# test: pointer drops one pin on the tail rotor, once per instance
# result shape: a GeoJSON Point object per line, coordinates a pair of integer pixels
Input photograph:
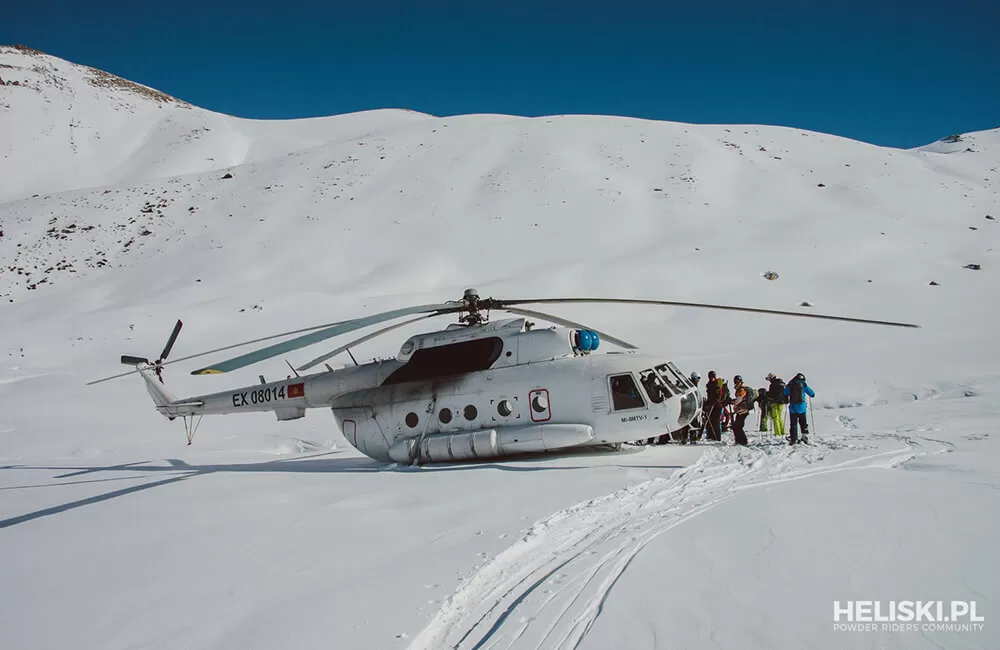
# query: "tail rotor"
{"type": "Point", "coordinates": [129, 360]}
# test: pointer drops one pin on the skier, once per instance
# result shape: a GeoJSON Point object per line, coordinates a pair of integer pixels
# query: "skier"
{"type": "Point", "coordinates": [764, 409]}
{"type": "Point", "coordinates": [742, 405]}
{"type": "Point", "coordinates": [776, 400]}
{"type": "Point", "coordinates": [796, 392]}
{"type": "Point", "coordinates": [713, 406]}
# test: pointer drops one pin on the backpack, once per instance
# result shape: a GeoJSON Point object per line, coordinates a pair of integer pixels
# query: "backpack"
{"type": "Point", "coordinates": [724, 396]}
{"type": "Point", "coordinates": [795, 391]}
{"type": "Point", "coordinates": [776, 394]}
{"type": "Point", "coordinates": [748, 397]}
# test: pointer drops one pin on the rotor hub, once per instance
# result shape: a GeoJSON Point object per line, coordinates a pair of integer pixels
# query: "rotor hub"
{"type": "Point", "coordinates": [473, 308]}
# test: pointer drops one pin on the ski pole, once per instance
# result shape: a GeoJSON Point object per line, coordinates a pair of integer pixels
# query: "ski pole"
{"type": "Point", "coordinates": [811, 418]}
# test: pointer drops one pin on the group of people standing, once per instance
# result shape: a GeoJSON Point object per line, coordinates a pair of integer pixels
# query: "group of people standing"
{"type": "Point", "coordinates": [772, 402]}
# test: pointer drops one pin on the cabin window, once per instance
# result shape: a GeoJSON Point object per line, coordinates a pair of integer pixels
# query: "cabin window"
{"type": "Point", "coordinates": [655, 387]}
{"type": "Point", "coordinates": [470, 412]}
{"type": "Point", "coordinates": [412, 419]}
{"type": "Point", "coordinates": [539, 400]}
{"type": "Point", "coordinates": [451, 359]}
{"type": "Point", "coordinates": [504, 408]}
{"type": "Point", "coordinates": [624, 393]}
{"type": "Point", "coordinates": [445, 415]}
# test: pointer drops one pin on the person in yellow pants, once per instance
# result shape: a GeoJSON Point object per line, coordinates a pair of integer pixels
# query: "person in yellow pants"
{"type": "Point", "coordinates": [776, 403]}
{"type": "Point", "coordinates": [778, 418]}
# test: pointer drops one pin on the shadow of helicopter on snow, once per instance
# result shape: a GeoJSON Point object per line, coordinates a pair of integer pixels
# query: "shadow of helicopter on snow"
{"type": "Point", "coordinates": [177, 470]}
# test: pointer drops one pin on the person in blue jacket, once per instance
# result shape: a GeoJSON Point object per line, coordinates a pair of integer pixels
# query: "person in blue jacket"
{"type": "Point", "coordinates": [796, 392]}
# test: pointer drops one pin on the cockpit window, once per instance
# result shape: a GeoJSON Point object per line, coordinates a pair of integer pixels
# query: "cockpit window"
{"type": "Point", "coordinates": [624, 393]}
{"type": "Point", "coordinates": [673, 378]}
{"type": "Point", "coordinates": [655, 388]}
{"type": "Point", "coordinates": [687, 381]}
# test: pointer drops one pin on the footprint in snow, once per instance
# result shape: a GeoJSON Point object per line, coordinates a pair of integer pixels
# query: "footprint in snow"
{"type": "Point", "coordinates": [846, 422]}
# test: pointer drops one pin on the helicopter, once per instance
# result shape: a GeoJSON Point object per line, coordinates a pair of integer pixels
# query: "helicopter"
{"type": "Point", "coordinates": [477, 389]}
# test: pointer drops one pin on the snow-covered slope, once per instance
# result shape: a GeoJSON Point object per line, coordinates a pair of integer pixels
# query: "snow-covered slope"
{"type": "Point", "coordinates": [85, 127]}
{"type": "Point", "coordinates": [250, 227]}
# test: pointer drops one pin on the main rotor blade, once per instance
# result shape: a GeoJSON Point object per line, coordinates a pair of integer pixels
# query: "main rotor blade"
{"type": "Point", "coordinates": [568, 323]}
{"type": "Point", "coordinates": [367, 337]}
{"type": "Point", "coordinates": [170, 342]}
{"type": "Point", "coordinates": [315, 337]}
{"type": "Point", "coordinates": [222, 349]}
{"type": "Point", "coordinates": [636, 301]}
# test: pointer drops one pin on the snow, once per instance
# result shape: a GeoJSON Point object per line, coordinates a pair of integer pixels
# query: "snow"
{"type": "Point", "coordinates": [279, 534]}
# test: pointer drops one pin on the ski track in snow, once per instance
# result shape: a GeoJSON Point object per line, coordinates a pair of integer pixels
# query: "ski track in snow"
{"type": "Point", "coordinates": [547, 590]}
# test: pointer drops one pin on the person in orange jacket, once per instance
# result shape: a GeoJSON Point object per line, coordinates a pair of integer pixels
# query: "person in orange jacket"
{"type": "Point", "coordinates": [742, 405]}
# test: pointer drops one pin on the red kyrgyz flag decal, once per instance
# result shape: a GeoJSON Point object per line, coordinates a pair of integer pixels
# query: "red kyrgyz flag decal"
{"type": "Point", "coordinates": [296, 390]}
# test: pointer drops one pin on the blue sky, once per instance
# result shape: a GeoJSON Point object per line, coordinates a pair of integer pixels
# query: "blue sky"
{"type": "Point", "coordinates": [900, 73]}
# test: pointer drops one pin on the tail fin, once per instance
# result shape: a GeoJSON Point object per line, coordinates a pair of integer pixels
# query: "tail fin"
{"type": "Point", "coordinates": [166, 403]}
{"type": "Point", "coordinates": [161, 396]}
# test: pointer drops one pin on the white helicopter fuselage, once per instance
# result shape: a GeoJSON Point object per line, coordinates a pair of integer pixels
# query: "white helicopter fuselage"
{"type": "Point", "coordinates": [478, 391]}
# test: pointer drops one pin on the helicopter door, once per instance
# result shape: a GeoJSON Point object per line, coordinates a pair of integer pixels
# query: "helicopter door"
{"type": "Point", "coordinates": [624, 393]}
{"type": "Point", "coordinates": [538, 401]}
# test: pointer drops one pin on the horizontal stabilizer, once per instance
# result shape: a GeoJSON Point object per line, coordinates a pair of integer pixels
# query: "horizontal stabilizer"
{"type": "Point", "coordinates": [190, 404]}
{"type": "Point", "coordinates": [129, 360]}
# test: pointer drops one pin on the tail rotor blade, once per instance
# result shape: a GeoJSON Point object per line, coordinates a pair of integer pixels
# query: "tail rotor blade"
{"type": "Point", "coordinates": [170, 342]}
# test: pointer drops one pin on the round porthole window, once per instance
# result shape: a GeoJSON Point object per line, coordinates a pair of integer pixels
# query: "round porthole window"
{"type": "Point", "coordinates": [470, 412]}
{"type": "Point", "coordinates": [504, 408]}
{"type": "Point", "coordinates": [539, 403]}
{"type": "Point", "coordinates": [445, 416]}
{"type": "Point", "coordinates": [412, 419]}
